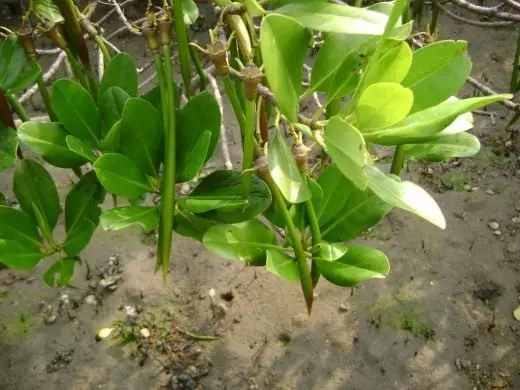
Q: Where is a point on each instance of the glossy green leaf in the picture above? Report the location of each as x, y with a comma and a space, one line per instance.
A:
120, 176
79, 237
331, 251
190, 225
285, 172
34, 186
83, 201
8, 147
393, 65
60, 273
422, 125
405, 195
221, 197
284, 45
382, 105
359, 264
12, 61
48, 140
122, 217
443, 147
141, 135
17, 226
46, 10
329, 17
18, 256
76, 110
346, 147
438, 71
346, 211
254, 8
246, 241
120, 72
25, 79
345, 80
193, 160
79, 148
282, 265
111, 107
463, 122
110, 143
190, 10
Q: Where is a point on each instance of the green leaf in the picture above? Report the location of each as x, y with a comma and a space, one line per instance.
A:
77, 146
120, 176
8, 147
285, 172
46, 10
438, 71
12, 61
328, 17
284, 45
19, 257
405, 195
331, 252
110, 143
34, 186
345, 80
246, 241
141, 135
18, 226
191, 11
111, 107
393, 65
443, 147
220, 197
48, 140
254, 8
189, 225
357, 265
194, 159
121, 72
346, 211
122, 217
83, 201
60, 273
346, 147
79, 237
25, 79
282, 265
76, 110
422, 125
382, 105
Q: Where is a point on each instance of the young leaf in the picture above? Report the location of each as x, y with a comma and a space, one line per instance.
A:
246, 241
60, 273
282, 265
346, 147
346, 211
327, 17
79, 237
25, 79
445, 146
122, 217
12, 61
34, 188
422, 125
121, 72
18, 256
46, 10
393, 65
140, 135
8, 147
190, 11
382, 105
332, 252
357, 265
438, 71
18, 226
76, 110
110, 143
83, 201
254, 8
111, 105
284, 44
192, 161
405, 195
284, 171
77, 146
48, 140
120, 176
190, 225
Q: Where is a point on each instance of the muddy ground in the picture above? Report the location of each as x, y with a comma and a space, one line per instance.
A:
441, 320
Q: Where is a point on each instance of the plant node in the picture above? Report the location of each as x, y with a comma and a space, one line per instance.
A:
53, 33
218, 54
26, 37
165, 30
252, 76
150, 34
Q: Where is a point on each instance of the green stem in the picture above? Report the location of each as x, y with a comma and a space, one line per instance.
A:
169, 179
181, 36
333, 108
316, 239
231, 92
435, 16
92, 82
46, 98
515, 81
406, 17
101, 44
358, 3
248, 142
18, 108
198, 67
162, 85
398, 160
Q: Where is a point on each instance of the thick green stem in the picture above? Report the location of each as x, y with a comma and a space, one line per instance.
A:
162, 86
231, 92
248, 145
515, 81
101, 44
92, 81
46, 98
181, 36
18, 108
398, 160
316, 239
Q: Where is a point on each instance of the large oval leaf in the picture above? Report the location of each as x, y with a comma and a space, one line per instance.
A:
122, 217
8, 147
285, 172
79, 237
282, 265
83, 201
445, 146
190, 10
60, 273
12, 61
76, 110
121, 72
246, 241
393, 65
79, 148
120, 176
18, 256
438, 71
111, 105
18, 226
25, 79
357, 265
48, 140
34, 188
284, 44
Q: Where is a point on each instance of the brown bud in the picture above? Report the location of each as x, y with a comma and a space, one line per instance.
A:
26, 37
252, 77
300, 153
149, 33
219, 57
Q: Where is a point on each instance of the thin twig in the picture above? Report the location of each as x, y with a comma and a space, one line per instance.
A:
123, 18
489, 91
472, 22
490, 11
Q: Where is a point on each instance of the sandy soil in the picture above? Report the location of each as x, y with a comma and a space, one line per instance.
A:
441, 320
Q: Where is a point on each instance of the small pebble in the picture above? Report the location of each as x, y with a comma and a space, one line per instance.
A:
497, 233
467, 187
475, 189
516, 220
93, 284
51, 319
493, 225
145, 333
91, 300
490, 192
30, 280
343, 308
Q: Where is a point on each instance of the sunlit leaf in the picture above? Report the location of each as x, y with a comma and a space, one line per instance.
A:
77, 146
282, 265
190, 10
445, 146
120, 72
122, 217
111, 105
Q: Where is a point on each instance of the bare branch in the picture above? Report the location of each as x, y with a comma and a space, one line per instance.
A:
490, 11
473, 22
